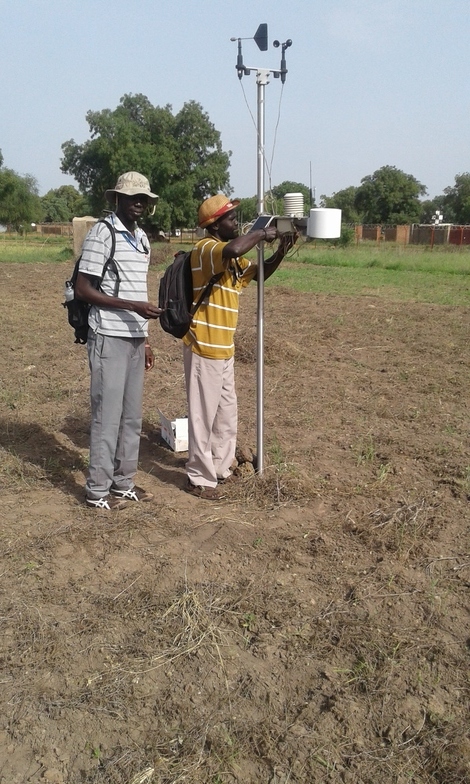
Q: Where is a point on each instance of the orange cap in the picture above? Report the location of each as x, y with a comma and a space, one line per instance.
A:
214, 207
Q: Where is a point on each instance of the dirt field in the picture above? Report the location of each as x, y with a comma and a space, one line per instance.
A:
313, 627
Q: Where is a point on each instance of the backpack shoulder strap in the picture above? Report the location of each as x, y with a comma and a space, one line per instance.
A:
206, 292
73, 278
111, 263
112, 231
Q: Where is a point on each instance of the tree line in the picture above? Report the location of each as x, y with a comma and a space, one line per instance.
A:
182, 156
389, 196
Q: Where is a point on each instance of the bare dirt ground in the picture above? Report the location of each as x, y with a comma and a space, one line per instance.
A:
313, 627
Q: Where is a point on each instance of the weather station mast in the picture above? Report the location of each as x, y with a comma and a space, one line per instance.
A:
262, 79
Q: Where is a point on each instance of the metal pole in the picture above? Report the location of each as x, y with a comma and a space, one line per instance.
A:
261, 82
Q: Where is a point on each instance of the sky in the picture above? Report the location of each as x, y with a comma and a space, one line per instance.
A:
370, 83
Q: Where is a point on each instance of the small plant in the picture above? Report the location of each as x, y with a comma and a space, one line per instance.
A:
362, 674
277, 455
347, 237
465, 481
65, 254
248, 620
53, 467
31, 566
95, 751
12, 398
383, 472
366, 451
83, 462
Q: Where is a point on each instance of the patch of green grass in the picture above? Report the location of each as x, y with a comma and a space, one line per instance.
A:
395, 285
399, 273
410, 258
29, 253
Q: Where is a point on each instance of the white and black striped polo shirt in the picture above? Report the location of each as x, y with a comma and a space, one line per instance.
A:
132, 256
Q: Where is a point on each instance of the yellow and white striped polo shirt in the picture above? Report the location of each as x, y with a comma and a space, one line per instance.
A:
215, 321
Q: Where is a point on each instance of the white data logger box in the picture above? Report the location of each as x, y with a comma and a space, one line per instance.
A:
175, 432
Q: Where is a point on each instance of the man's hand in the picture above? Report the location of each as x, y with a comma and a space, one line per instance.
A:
149, 357
146, 310
287, 241
271, 234
86, 291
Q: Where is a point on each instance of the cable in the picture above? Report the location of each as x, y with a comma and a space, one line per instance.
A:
269, 170
267, 166
248, 105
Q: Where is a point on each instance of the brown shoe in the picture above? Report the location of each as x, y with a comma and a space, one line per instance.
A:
228, 480
209, 493
135, 494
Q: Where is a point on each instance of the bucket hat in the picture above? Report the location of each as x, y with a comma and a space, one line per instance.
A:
130, 184
214, 207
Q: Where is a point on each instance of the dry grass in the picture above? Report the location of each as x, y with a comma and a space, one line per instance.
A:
309, 628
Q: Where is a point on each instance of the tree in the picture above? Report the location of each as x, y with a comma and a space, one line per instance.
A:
344, 200
389, 196
273, 201
64, 203
247, 209
279, 191
180, 154
19, 200
429, 208
456, 201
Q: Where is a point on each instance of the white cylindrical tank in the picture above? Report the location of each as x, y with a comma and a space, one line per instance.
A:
324, 223
294, 205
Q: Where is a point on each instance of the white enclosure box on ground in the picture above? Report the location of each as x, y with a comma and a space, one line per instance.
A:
174, 432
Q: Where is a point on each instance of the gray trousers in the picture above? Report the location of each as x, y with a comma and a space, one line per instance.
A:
212, 417
117, 367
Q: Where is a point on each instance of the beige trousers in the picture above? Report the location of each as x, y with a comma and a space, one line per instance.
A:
212, 417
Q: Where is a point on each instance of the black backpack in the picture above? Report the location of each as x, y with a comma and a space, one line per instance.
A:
77, 309
175, 295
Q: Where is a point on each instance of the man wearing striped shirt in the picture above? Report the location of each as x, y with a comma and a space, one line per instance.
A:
118, 347
208, 346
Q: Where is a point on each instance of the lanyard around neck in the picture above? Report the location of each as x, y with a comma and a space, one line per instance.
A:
133, 242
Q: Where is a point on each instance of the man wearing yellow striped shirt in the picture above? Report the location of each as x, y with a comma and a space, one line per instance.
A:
208, 346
